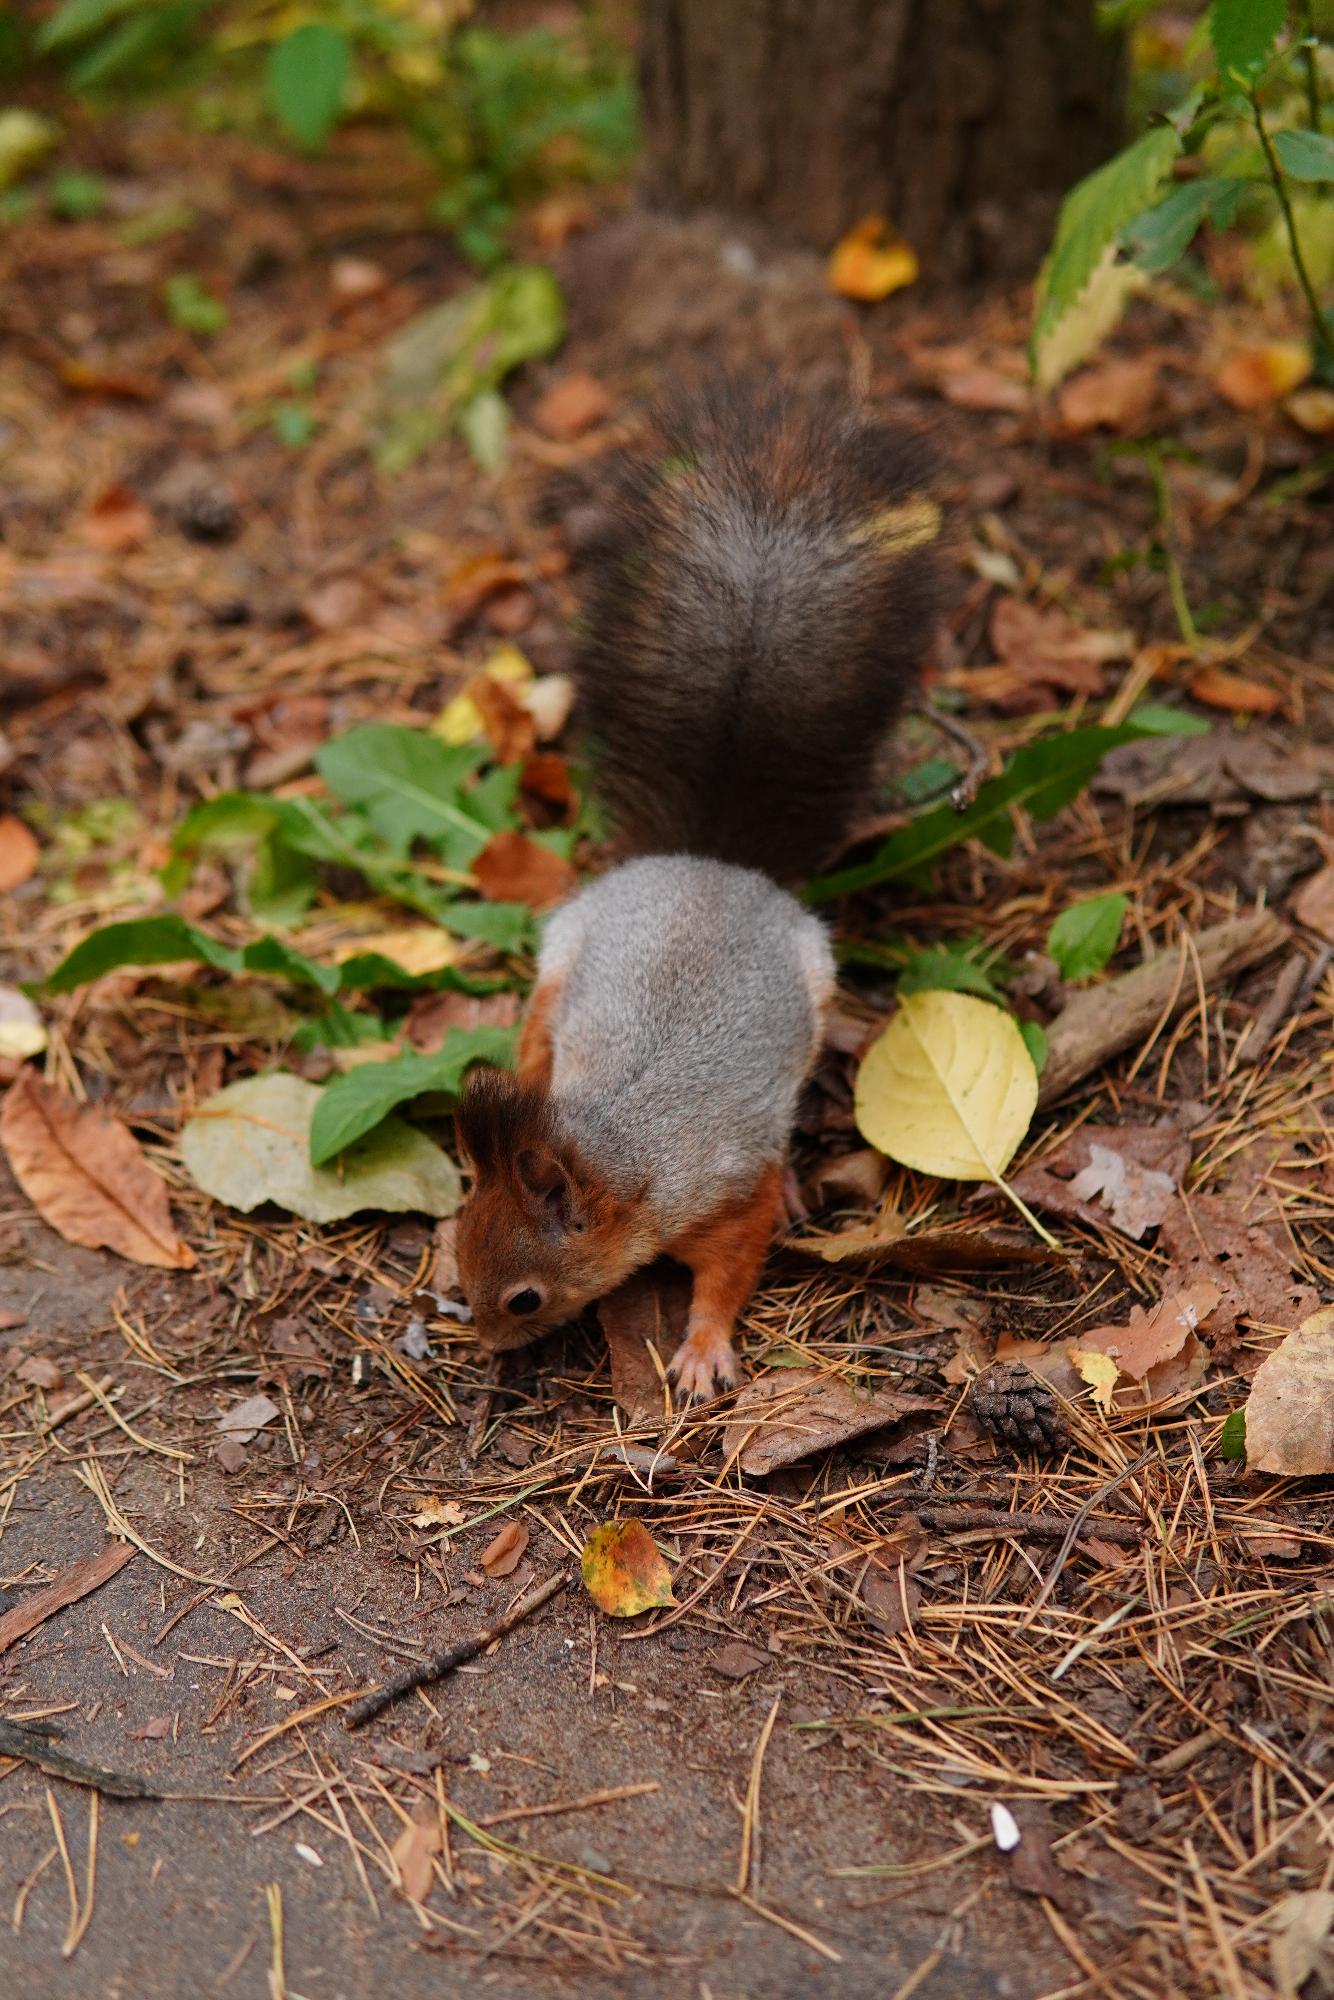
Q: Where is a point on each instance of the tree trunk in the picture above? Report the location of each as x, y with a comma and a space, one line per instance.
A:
962, 121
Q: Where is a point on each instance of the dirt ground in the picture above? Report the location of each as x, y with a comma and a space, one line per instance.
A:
785, 1786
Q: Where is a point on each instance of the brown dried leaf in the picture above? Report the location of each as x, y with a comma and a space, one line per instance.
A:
117, 520
1222, 1240
510, 729
413, 1854
648, 1312
982, 388
736, 1660
1290, 1410
1118, 396
571, 406
511, 868
437, 1513
788, 1414
1313, 904
1149, 1154
1301, 1927
858, 1176
891, 1598
86, 1176
155, 1731
41, 1371
432, 1016
1054, 649
242, 1420
1217, 688
1151, 1338
502, 1554
1136, 1198
19, 852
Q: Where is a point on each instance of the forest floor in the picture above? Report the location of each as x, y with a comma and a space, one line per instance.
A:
885, 1626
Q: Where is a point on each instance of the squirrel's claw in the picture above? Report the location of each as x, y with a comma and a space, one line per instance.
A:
703, 1366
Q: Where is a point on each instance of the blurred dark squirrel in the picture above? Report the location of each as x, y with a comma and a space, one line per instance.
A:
760, 605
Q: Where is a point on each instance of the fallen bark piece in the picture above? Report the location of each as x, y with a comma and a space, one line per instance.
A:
85, 1175
1098, 1023
1290, 1410
787, 1415
81, 1581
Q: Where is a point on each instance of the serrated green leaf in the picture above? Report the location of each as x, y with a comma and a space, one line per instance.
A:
1162, 235
1243, 33
1093, 216
145, 40
938, 970
165, 940
77, 19
1083, 938
406, 780
1306, 156
1042, 778
354, 1104
304, 81
1232, 1439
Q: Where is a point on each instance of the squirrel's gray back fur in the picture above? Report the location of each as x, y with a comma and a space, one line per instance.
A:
690, 997
760, 602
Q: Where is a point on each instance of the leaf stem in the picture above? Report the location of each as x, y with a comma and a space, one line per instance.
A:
1309, 42
1319, 325
1176, 583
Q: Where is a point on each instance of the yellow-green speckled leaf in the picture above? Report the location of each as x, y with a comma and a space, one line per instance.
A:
949, 1088
622, 1570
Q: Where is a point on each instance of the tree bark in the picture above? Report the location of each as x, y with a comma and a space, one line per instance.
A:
962, 121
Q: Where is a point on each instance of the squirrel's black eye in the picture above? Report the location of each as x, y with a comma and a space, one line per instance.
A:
526, 1301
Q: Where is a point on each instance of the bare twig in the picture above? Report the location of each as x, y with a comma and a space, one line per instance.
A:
425, 1671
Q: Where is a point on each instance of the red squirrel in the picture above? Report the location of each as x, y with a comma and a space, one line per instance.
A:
761, 603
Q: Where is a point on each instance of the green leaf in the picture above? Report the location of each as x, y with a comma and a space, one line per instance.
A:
75, 196
1306, 156
192, 306
504, 926
1083, 938
1093, 216
354, 1104
294, 424
166, 940
1162, 235
1042, 777
406, 780
137, 45
25, 140
1035, 1041
304, 81
77, 19
1244, 31
1232, 1439
953, 970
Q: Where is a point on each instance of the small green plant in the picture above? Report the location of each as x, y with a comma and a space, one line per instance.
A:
1245, 144
191, 306
75, 197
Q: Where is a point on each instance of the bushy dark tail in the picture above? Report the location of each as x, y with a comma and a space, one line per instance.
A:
760, 606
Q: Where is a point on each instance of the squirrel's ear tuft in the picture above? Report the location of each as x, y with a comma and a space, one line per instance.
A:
498, 1117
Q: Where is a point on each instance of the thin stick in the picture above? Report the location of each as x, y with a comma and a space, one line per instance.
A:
751, 1814
1072, 1533
426, 1671
85, 1916
965, 789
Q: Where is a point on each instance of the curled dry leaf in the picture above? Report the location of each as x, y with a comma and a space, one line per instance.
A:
1290, 1410
1253, 377
622, 1570
19, 852
437, 1513
644, 1316
1053, 649
1149, 1339
117, 520
461, 720
86, 1176
512, 868
870, 262
501, 1555
413, 1854
1217, 688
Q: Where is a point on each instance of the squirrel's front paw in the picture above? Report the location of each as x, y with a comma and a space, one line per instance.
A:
703, 1365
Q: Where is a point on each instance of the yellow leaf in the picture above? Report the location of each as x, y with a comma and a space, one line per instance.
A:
949, 1089
622, 1570
414, 948
870, 262
460, 720
1099, 1371
1251, 377
1082, 328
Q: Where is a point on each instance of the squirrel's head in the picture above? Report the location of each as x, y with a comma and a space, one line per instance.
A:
540, 1236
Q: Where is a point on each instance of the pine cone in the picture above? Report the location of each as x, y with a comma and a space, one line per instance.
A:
207, 513
1018, 1408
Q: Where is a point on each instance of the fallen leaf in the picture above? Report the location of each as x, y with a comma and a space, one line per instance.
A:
506, 723
352, 279
432, 1016
1033, 1868
949, 1088
68, 1588
790, 1413
870, 262
549, 700
1151, 1338
572, 406
243, 1420
1100, 1371
645, 1314
460, 720
1313, 905
1217, 688
336, 605
513, 868
86, 1176
1117, 396
1313, 411
231, 1454
984, 388
886, 1241
417, 949
19, 852
1299, 1925
502, 1553
116, 521
737, 1660
436, 1513
413, 1855
546, 776
1290, 1410
1054, 650
858, 1176
251, 1144
41, 1371
1222, 1240
890, 1599
622, 1570
1136, 1198
22, 1033
1252, 377
155, 1731
1222, 770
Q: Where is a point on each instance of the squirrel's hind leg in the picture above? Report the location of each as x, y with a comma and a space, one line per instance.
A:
724, 1255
